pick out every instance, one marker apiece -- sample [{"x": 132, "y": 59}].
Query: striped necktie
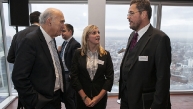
[
  {"x": 63, "y": 47},
  {"x": 133, "y": 41},
  {"x": 57, "y": 64}
]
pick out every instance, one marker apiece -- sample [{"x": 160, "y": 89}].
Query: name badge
[
  {"x": 100, "y": 62},
  {"x": 143, "y": 58}
]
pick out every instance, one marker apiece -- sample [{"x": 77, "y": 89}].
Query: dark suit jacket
[
  {"x": 80, "y": 78},
  {"x": 69, "y": 52},
  {"x": 147, "y": 80},
  {"x": 16, "y": 40},
  {"x": 33, "y": 73}
]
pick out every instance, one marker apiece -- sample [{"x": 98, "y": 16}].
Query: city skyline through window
[{"x": 178, "y": 26}]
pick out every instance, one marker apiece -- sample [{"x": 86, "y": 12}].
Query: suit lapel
[
  {"x": 128, "y": 43},
  {"x": 99, "y": 65},
  {"x": 139, "y": 47},
  {"x": 45, "y": 47},
  {"x": 84, "y": 65},
  {"x": 68, "y": 45}
]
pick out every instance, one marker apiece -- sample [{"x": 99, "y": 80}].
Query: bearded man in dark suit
[{"x": 145, "y": 68}]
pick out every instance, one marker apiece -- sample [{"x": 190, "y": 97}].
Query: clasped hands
[{"x": 91, "y": 103}]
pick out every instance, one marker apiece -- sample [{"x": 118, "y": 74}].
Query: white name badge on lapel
[
  {"x": 143, "y": 58},
  {"x": 100, "y": 62}
]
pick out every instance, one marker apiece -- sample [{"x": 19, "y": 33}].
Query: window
[
  {"x": 74, "y": 14},
  {"x": 177, "y": 23},
  {"x": 10, "y": 32},
  {"x": 3, "y": 71}
]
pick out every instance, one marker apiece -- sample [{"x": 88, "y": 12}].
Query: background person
[
  {"x": 34, "y": 20},
  {"x": 66, "y": 53}
]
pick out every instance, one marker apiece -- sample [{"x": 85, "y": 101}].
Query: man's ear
[
  {"x": 144, "y": 14},
  {"x": 48, "y": 21}
]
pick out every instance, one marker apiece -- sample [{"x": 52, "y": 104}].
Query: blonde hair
[{"x": 87, "y": 31}]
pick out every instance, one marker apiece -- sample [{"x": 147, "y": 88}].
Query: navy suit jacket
[
  {"x": 16, "y": 41},
  {"x": 34, "y": 73},
  {"x": 69, "y": 52},
  {"x": 148, "y": 80}
]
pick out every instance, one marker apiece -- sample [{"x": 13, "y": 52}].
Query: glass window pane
[
  {"x": 177, "y": 23},
  {"x": 117, "y": 32},
  {"x": 10, "y": 32},
  {"x": 74, "y": 14},
  {"x": 3, "y": 71}
]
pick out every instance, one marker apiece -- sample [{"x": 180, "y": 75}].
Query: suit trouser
[
  {"x": 56, "y": 102},
  {"x": 125, "y": 105},
  {"x": 19, "y": 105},
  {"x": 71, "y": 101},
  {"x": 124, "y": 101}
]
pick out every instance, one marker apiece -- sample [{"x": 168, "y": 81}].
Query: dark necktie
[
  {"x": 62, "y": 51},
  {"x": 133, "y": 41}
]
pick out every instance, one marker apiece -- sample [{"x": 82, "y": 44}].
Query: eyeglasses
[{"x": 131, "y": 13}]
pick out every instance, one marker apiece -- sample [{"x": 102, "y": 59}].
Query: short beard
[{"x": 136, "y": 26}]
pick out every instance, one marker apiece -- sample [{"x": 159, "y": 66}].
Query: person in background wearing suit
[
  {"x": 66, "y": 53},
  {"x": 92, "y": 71},
  {"x": 145, "y": 68},
  {"x": 38, "y": 73},
  {"x": 34, "y": 20}
]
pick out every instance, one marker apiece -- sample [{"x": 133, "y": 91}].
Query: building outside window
[{"x": 177, "y": 23}]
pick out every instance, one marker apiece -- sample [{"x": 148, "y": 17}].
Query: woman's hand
[
  {"x": 94, "y": 101},
  {"x": 97, "y": 98},
  {"x": 87, "y": 101}
]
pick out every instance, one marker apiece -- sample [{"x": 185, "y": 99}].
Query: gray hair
[{"x": 48, "y": 13}]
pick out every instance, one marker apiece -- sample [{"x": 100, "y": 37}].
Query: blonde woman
[{"x": 92, "y": 71}]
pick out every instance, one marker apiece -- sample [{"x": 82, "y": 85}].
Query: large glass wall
[
  {"x": 177, "y": 23},
  {"x": 3, "y": 73},
  {"x": 74, "y": 14},
  {"x": 10, "y": 32},
  {"x": 117, "y": 32}
]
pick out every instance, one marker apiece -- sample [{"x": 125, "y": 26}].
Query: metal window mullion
[{"x": 5, "y": 48}]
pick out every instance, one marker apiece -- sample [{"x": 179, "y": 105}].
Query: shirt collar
[
  {"x": 142, "y": 31},
  {"x": 68, "y": 40},
  {"x": 46, "y": 36},
  {"x": 90, "y": 52}
]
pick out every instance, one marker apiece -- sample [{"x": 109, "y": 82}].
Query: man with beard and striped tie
[{"x": 145, "y": 69}]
